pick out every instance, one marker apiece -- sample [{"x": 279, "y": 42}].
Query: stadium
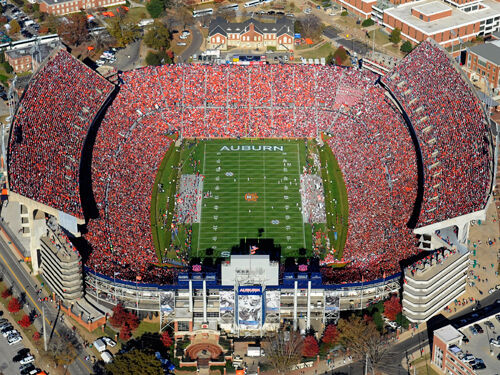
[{"x": 252, "y": 182}]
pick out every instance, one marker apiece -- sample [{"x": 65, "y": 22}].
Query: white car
[
  {"x": 307, "y": 11},
  {"x": 28, "y": 359},
  {"x": 8, "y": 333},
  {"x": 495, "y": 343},
  {"x": 109, "y": 342},
  {"x": 15, "y": 340},
  {"x": 181, "y": 44}
]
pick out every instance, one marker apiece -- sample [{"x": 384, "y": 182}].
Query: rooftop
[
  {"x": 489, "y": 51},
  {"x": 431, "y": 8},
  {"x": 448, "y": 334},
  {"x": 458, "y": 18}
]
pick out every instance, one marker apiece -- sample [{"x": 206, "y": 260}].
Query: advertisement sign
[
  {"x": 332, "y": 301},
  {"x": 226, "y": 306},
  {"x": 167, "y": 301},
  {"x": 249, "y": 306},
  {"x": 272, "y": 301}
]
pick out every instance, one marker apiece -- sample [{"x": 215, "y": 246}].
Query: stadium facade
[{"x": 91, "y": 131}]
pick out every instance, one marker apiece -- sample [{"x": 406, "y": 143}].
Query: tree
[
  {"x": 125, "y": 332},
  {"x": 311, "y": 26},
  {"x": 155, "y": 8},
  {"x": 124, "y": 32},
  {"x": 14, "y": 27},
  {"x": 392, "y": 308},
  {"x": 395, "y": 37},
  {"x": 36, "y": 336},
  {"x": 6, "y": 292},
  {"x": 25, "y": 321},
  {"x": 331, "y": 335},
  {"x": 135, "y": 362},
  {"x": 74, "y": 30},
  {"x": 153, "y": 59},
  {"x": 406, "y": 47},
  {"x": 14, "y": 305},
  {"x": 362, "y": 338},
  {"x": 166, "y": 339},
  {"x": 340, "y": 55},
  {"x": 62, "y": 352},
  {"x": 132, "y": 321},
  {"x": 285, "y": 350},
  {"x": 119, "y": 316},
  {"x": 157, "y": 37},
  {"x": 368, "y": 22},
  {"x": 8, "y": 68},
  {"x": 330, "y": 60},
  {"x": 311, "y": 347}
]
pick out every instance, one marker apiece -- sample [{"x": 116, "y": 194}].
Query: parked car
[
  {"x": 28, "y": 359},
  {"x": 26, "y": 369},
  {"x": 181, "y": 43},
  {"x": 469, "y": 358},
  {"x": 497, "y": 316},
  {"x": 489, "y": 324},
  {"x": 495, "y": 343},
  {"x": 109, "y": 342},
  {"x": 10, "y": 332},
  {"x": 478, "y": 328},
  {"x": 473, "y": 330},
  {"x": 14, "y": 340}
]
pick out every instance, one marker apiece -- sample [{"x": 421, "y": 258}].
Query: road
[
  {"x": 392, "y": 361},
  {"x": 350, "y": 44},
  {"x": 194, "y": 46},
  {"x": 26, "y": 287},
  {"x": 129, "y": 57}
]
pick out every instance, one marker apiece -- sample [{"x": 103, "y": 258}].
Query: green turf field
[{"x": 251, "y": 190}]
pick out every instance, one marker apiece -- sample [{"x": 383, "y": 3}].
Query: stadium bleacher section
[
  {"x": 49, "y": 129},
  {"x": 368, "y": 135},
  {"x": 452, "y": 132}
]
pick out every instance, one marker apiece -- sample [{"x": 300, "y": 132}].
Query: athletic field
[{"x": 251, "y": 190}]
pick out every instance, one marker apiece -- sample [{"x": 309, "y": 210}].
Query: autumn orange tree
[
  {"x": 25, "y": 321},
  {"x": 14, "y": 305},
  {"x": 330, "y": 336},
  {"x": 311, "y": 347},
  {"x": 392, "y": 307}
]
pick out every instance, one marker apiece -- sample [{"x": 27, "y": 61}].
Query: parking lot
[
  {"x": 479, "y": 345},
  {"x": 29, "y": 28}
]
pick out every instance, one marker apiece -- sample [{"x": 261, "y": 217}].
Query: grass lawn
[
  {"x": 162, "y": 200},
  {"x": 337, "y": 206},
  {"x": 146, "y": 327},
  {"x": 322, "y": 51}
]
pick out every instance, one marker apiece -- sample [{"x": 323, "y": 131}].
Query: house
[{"x": 251, "y": 34}]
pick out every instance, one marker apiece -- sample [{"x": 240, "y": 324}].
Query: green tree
[
  {"x": 14, "y": 27},
  {"x": 406, "y": 47},
  {"x": 395, "y": 37},
  {"x": 158, "y": 37},
  {"x": 330, "y": 59},
  {"x": 124, "y": 32},
  {"x": 155, "y": 8},
  {"x": 344, "y": 13},
  {"x": 153, "y": 59},
  {"x": 368, "y": 22},
  {"x": 2, "y": 60},
  {"x": 135, "y": 362},
  {"x": 297, "y": 26}
]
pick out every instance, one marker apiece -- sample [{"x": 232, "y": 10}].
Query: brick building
[
  {"x": 27, "y": 55},
  {"x": 448, "y": 22},
  {"x": 483, "y": 62},
  {"x": 251, "y": 34},
  {"x": 446, "y": 351},
  {"x": 62, "y": 7}
]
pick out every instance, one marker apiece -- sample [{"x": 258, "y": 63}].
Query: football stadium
[{"x": 188, "y": 189}]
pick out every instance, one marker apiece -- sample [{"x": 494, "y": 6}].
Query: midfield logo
[
  {"x": 251, "y": 197},
  {"x": 251, "y": 148}
]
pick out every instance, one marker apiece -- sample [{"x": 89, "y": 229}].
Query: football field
[{"x": 250, "y": 190}]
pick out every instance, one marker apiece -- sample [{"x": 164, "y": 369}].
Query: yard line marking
[
  {"x": 201, "y": 211},
  {"x": 303, "y": 224}
]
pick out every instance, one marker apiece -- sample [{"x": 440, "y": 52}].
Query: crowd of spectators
[
  {"x": 377, "y": 157},
  {"x": 313, "y": 198},
  {"x": 49, "y": 129},
  {"x": 188, "y": 199},
  {"x": 156, "y": 104},
  {"x": 453, "y": 135}
]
